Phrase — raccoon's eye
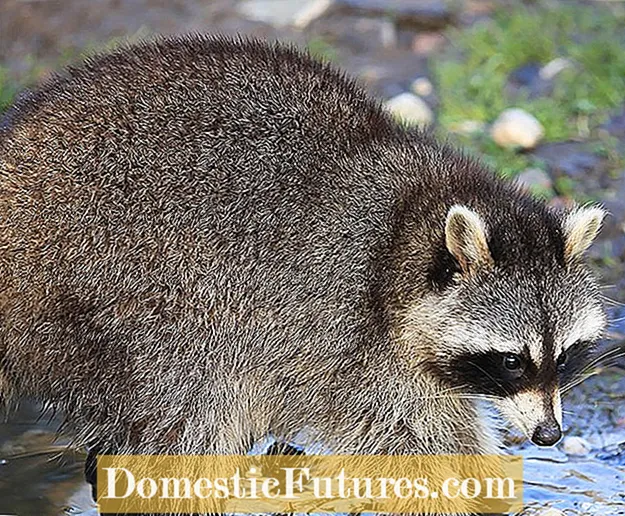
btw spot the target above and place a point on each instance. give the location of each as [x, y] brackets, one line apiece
[562, 360]
[513, 363]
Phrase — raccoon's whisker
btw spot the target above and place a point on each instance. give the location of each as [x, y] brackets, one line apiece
[613, 357]
[611, 302]
[611, 354]
[478, 398]
[455, 388]
[481, 397]
[450, 392]
[582, 378]
[604, 359]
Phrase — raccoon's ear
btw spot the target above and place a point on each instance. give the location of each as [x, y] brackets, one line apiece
[466, 238]
[580, 229]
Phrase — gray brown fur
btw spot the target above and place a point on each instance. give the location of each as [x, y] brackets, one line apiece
[205, 241]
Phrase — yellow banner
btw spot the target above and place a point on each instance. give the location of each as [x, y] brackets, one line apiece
[427, 484]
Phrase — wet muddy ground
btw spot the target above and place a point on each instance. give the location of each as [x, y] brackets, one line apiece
[41, 476]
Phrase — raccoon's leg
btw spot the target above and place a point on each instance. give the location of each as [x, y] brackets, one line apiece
[91, 470]
[281, 448]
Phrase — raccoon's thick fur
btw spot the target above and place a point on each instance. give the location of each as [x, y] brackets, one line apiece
[205, 241]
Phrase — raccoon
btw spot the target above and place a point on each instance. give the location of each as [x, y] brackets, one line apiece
[207, 241]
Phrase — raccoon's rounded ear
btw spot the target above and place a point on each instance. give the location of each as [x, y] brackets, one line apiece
[580, 229]
[466, 238]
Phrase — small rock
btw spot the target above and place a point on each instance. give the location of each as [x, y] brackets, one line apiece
[370, 74]
[572, 159]
[311, 12]
[535, 178]
[515, 127]
[613, 454]
[388, 34]
[427, 42]
[422, 86]
[411, 109]
[551, 512]
[562, 203]
[576, 446]
[278, 13]
[553, 68]
[615, 126]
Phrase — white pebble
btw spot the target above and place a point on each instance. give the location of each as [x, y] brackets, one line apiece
[553, 68]
[388, 34]
[516, 128]
[551, 512]
[576, 446]
[422, 86]
[310, 12]
[281, 13]
[411, 109]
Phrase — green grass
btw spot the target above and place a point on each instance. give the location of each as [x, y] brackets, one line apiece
[472, 76]
[11, 85]
[322, 49]
[8, 89]
[34, 71]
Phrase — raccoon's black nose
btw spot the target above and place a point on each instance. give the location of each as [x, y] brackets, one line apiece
[547, 434]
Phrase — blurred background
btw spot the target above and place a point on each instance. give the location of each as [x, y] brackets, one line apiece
[536, 89]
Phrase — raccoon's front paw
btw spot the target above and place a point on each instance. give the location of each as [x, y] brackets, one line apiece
[91, 468]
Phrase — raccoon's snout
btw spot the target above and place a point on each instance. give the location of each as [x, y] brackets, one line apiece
[547, 433]
[537, 414]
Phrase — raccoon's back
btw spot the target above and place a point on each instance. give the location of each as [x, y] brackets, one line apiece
[187, 174]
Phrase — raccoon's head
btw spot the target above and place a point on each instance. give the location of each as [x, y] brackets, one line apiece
[518, 313]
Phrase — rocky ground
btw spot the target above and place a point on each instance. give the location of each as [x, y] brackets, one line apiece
[403, 51]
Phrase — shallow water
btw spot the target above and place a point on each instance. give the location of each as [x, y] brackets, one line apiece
[583, 486]
[38, 474]
[40, 477]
